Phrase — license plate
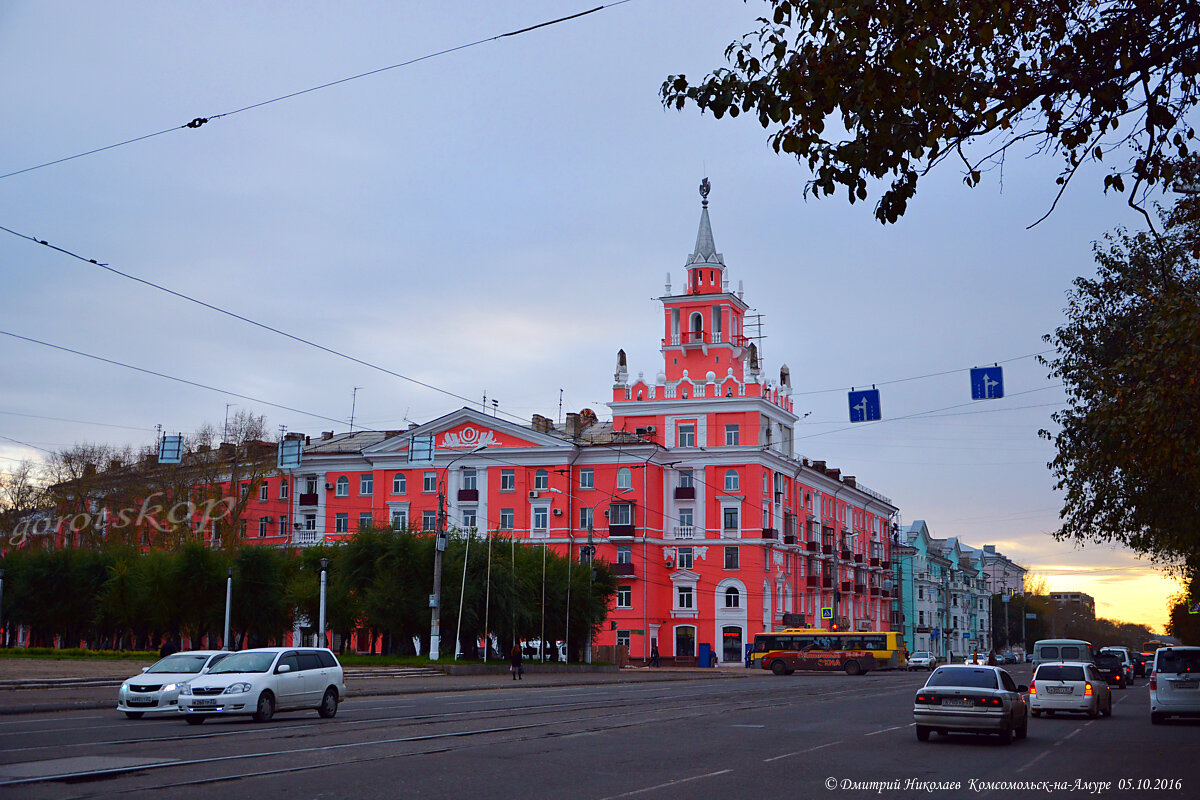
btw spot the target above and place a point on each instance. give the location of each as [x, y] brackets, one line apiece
[203, 703]
[958, 703]
[1059, 690]
[140, 701]
[1184, 684]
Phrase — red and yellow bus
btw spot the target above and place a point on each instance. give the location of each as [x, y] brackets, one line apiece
[886, 648]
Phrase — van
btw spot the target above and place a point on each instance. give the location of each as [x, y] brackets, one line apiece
[1175, 683]
[1063, 650]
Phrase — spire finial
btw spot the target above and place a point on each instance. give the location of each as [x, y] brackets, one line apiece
[705, 188]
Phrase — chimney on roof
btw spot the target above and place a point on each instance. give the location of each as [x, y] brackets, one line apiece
[307, 440]
[326, 436]
[850, 481]
[819, 466]
[541, 424]
[573, 424]
[227, 448]
[836, 474]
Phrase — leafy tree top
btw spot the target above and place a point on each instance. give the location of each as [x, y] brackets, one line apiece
[888, 89]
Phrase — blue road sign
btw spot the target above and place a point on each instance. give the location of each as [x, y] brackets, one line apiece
[827, 612]
[291, 452]
[987, 383]
[864, 406]
[170, 449]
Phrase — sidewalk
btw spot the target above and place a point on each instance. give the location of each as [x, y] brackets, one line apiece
[65, 694]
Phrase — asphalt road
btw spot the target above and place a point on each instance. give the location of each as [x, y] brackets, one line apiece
[763, 737]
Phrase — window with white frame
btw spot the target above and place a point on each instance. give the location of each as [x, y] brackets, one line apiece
[729, 518]
[310, 522]
[428, 520]
[429, 482]
[687, 479]
[262, 527]
[731, 480]
[468, 478]
[587, 478]
[506, 519]
[341, 523]
[468, 519]
[310, 484]
[624, 478]
[283, 489]
[399, 519]
[508, 480]
[264, 492]
[399, 483]
[687, 434]
[683, 598]
[733, 435]
[622, 638]
[342, 487]
[283, 530]
[624, 597]
[620, 514]
[366, 484]
[684, 557]
[541, 518]
[585, 518]
[624, 554]
[733, 598]
[365, 520]
[732, 559]
[541, 480]
[686, 517]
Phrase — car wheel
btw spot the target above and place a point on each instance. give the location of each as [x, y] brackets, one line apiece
[778, 667]
[852, 668]
[194, 720]
[922, 733]
[1006, 736]
[790, 671]
[329, 704]
[266, 707]
[134, 714]
[1156, 718]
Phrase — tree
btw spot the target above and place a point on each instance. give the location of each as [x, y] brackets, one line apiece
[1128, 446]
[889, 89]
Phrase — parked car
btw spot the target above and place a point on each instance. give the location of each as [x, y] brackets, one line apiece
[156, 689]
[922, 659]
[1113, 669]
[971, 699]
[1127, 661]
[1175, 683]
[260, 682]
[1075, 687]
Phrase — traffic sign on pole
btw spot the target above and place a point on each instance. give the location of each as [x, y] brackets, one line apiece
[987, 383]
[864, 405]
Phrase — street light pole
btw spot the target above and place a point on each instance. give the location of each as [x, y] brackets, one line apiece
[435, 599]
[321, 617]
[3, 630]
[228, 605]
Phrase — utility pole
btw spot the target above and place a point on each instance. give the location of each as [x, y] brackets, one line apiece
[228, 603]
[435, 600]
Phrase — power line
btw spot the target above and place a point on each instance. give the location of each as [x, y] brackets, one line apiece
[170, 377]
[917, 377]
[78, 421]
[200, 121]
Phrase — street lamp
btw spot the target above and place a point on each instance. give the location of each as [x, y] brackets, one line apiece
[228, 605]
[3, 630]
[321, 616]
[435, 599]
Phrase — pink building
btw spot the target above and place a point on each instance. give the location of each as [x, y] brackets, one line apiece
[694, 491]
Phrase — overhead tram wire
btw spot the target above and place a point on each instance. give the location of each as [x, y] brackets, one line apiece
[77, 421]
[172, 377]
[200, 121]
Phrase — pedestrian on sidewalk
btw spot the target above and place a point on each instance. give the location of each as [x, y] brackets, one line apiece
[654, 654]
[514, 657]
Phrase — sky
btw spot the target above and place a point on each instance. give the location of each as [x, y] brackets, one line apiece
[499, 220]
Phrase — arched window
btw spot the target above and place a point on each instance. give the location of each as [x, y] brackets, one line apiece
[731, 481]
[541, 480]
[697, 326]
[343, 486]
[733, 598]
[624, 478]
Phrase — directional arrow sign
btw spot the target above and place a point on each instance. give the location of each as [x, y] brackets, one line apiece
[987, 383]
[864, 406]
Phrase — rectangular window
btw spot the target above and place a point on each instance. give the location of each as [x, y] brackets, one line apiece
[469, 519]
[283, 531]
[684, 555]
[732, 435]
[468, 478]
[732, 561]
[921, 618]
[686, 518]
[587, 478]
[341, 523]
[310, 522]
[687, 479]
[428, 520]
[730, 518]
[683, 595]
[506, 519]
[365, 520]
[310, 485]
[366, 484]
[245, 490]
[429, 483]
[508, 480]
[541, 518]
[620, 514]
[687, 434]
[624, 597]
[283, 489]
[624, 554]
[264, 492]
[585, 518]
[399, 483]
[399, 519]
[262, 527]
[622, 638]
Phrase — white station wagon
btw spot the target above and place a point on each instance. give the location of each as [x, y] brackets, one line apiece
[156, 689]
[260, 682]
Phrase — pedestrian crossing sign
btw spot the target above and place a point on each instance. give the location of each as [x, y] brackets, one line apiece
[827, 613]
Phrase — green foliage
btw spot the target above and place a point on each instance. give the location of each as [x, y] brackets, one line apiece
[78, 654]
[885, 90]
[1129, 358]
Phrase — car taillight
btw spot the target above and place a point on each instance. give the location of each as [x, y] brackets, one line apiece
[1153, 682]
[1032, 687]
[1087, 690]
[926, 699]
[988, 701]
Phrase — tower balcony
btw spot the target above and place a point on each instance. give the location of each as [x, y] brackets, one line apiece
[686, 338]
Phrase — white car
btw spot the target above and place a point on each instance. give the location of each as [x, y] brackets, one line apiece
[1175, 683]
[922, 659]
[260, 682]
[1072, 686]
[971, 699]
[156, 689]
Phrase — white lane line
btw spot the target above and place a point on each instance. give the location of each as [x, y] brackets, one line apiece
[1072, 733]
[668, 783]
[1036, 759]
[801, 752]
[885, 730]
[747, 726]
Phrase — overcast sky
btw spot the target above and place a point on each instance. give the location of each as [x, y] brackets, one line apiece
[500, 220]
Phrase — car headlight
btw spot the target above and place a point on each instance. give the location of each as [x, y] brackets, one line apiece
[170, 687]
[237, 688]
[185, 689]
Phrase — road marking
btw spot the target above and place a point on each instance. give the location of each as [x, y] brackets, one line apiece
[747, 726]
[802, 752]
[1036, 759]
[668, 783]
[1072, 733]
[885, 730]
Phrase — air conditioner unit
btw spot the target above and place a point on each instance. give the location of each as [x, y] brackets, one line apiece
[329, 487]
[670, 564]
[649, 430]
[558, 512]
[533, 495]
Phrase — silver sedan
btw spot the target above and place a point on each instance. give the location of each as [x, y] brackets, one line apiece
[971, 699]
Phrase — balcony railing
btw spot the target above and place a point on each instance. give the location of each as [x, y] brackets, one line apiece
[812, 547]
[789, 538]
[308, 499]
[624, 570]
[860, 588]
[874, 562]
[620, 531]
[827, 549]
[305, 538]
[858, 558]
[470, 495]
[769, 533]
[813, 581]
[684, 532]
[846, 586]
[826, 583]
[685, 492]
[701, 337]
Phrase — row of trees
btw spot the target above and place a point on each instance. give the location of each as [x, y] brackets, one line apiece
[1010, 627]
[378, 585]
